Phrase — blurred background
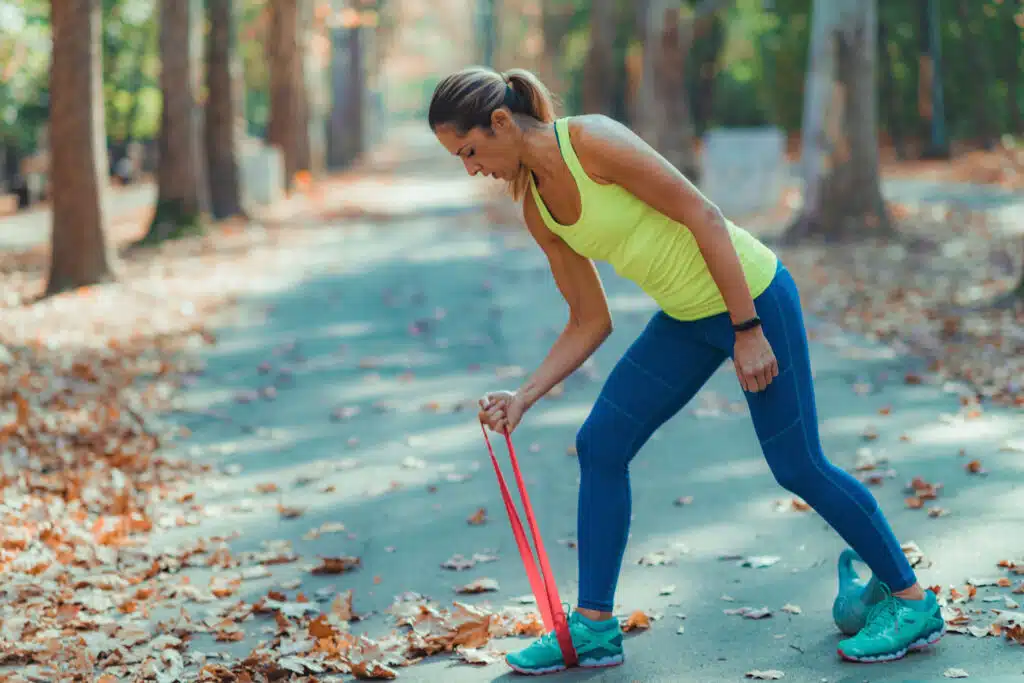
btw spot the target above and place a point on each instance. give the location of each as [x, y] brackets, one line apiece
[822, 120]
[244, 290]
[287, 90]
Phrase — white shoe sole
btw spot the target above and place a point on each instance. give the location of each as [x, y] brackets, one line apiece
[602, 663]
[920, 644]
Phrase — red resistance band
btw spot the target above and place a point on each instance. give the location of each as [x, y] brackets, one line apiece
[541, 582]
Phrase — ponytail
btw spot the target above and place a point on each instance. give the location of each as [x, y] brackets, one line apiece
[536, 101]
[467, 98]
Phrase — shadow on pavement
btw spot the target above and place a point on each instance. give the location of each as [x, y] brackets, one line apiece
[388, 329]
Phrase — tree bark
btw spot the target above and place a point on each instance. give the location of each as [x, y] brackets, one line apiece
[663, 112]
[223, 84]
[78, 150]
[671, 38]
[599, 70]
[555, 21]
[842, 187]
[983, 73]
[888, 93]
[287, 128]
[178, 173]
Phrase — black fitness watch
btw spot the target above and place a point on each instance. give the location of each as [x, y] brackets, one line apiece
[747, 324]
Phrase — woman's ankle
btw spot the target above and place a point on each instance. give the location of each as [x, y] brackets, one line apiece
[593, 614]
[914, 592]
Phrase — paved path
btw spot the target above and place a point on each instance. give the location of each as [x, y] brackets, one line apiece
[380, 321]
[31, 228]
[409, 144]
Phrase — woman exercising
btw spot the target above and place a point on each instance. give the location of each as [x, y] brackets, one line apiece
[592, 189]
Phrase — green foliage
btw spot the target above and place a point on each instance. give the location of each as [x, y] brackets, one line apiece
[762, 64]
[24, 70]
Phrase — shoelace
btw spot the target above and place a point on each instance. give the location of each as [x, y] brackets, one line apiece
[876, 621]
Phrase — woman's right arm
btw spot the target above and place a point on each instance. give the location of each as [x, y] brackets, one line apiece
[590, 320]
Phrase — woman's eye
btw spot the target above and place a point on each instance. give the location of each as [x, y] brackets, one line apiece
[470, 153]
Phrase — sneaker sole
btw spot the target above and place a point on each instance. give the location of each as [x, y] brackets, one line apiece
[603, 663]
[920, 644]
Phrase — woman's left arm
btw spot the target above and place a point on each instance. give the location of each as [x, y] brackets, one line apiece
[615, 154]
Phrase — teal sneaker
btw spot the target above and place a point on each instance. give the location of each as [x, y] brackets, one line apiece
[854, 599]
[894, 628]
[597, 643]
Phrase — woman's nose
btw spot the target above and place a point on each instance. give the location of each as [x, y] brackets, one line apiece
[471, 167]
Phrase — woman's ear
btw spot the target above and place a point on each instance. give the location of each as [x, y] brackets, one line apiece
[501, 120]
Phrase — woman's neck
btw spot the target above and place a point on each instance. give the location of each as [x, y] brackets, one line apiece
[540, 152]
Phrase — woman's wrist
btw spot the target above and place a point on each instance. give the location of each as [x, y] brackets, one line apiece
[528, 395]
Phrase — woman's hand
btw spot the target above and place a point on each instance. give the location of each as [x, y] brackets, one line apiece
[754, 360]
[502, 410]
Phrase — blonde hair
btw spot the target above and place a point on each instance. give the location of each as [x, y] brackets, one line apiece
[467, 98]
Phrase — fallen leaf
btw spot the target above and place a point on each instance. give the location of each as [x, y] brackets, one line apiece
[768, 675]
[759, 561]
[480, 656]
[336, 565]
[637, 621]
[458, 563]
[477, 518]
[478, 586]
[955, 673]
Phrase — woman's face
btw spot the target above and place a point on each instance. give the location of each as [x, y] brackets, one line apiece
[493, 152]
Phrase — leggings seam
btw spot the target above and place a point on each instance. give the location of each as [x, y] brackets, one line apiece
[872, 515]
[619, 409]
[643, 428]
[800, 407]
[644, 370]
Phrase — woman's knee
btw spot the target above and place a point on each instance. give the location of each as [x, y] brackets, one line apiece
[604, 442]
[795, 463]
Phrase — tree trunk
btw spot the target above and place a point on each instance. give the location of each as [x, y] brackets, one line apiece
[888, 93]
[600, 68]
[223, 84]
[555, 21]
[663, 112]
[287, 128]
[178, 200]
[303, 141]
[983, 75]
[78, 151]
[930, 100]
[348, 123]
[671, 39]
[842, 187]
[709, 41]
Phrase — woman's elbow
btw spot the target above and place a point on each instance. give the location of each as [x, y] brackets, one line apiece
[601, 326]
[596, 325]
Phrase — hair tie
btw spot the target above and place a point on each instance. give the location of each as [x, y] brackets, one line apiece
[511, 99]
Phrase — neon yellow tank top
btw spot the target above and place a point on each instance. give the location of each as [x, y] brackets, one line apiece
[645, 246]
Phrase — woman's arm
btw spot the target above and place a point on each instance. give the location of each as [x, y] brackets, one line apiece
[615, 154]
[590, 321]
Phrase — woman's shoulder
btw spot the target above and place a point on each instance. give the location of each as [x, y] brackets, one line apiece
[597, 138]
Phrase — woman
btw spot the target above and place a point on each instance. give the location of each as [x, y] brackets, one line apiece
[591, 189]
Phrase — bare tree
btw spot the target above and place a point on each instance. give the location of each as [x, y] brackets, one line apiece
[223, 84]
[599, 69]
[178, 203]
[287, 128]
[842, 184]
[662, 111]
[78, 157]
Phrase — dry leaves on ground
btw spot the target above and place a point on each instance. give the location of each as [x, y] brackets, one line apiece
[927, 294]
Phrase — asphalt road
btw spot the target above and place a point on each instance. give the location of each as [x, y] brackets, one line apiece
[372, 322]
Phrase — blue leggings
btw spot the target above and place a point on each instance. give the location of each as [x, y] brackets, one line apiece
[658, 375]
